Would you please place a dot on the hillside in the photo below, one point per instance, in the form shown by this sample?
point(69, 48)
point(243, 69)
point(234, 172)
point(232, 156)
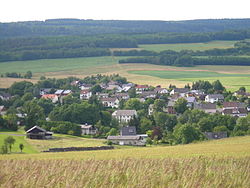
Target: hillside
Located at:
point(55, 27)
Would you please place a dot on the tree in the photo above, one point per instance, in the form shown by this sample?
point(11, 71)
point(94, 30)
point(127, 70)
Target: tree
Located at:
point(217, 86)
point(165, 121)
point(96, 88)
point(27, 96)
point(187, 133)
point(28, 75)
point(46, 104)
point(9, 141)
point(205, 124)
point(132, 93)
point(11, 121)
point(21, 146)
point(145, 125)
point(112, 132)
point(133, 104)
point(33, 112)
point(159, 104)
point(180, 105)
point(242, 89)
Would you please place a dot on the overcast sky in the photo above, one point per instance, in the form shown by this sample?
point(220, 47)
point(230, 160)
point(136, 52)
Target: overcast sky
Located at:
point(24, 10)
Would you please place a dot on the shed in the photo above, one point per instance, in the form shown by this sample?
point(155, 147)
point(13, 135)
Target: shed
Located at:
point(37, 132)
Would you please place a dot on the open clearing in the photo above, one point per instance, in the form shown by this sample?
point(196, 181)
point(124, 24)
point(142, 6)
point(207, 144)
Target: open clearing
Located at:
point(218, 164)
point(189, 46)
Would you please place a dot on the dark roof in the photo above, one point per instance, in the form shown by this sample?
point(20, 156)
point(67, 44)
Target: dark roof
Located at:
point(128, 131)
point(216, 96)
point(205, 106)
point(108, 99)
point(233, 105)
point(124, 137)
point(235, 111)
point(181, 90)
point(5, 95)
point(216, 135)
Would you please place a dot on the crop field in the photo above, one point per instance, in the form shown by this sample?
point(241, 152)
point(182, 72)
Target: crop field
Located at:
point(189, 46)
point(220, 164)
point(231, 81)
point(82, 67)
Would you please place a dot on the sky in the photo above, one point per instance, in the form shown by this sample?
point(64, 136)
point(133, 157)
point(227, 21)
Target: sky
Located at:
point(29, 10)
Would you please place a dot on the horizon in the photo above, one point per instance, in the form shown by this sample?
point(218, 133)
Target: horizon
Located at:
point(85, 19)
point(160, 10)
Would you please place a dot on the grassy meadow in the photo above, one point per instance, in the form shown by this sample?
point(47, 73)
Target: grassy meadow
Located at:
point(219, 164)
point(189, 46)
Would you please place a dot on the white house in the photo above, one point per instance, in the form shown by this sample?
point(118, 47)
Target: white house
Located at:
point(214, 98)
point(160, 90)
point(181, 91)
point(88, 129)
point(124, 115)
point(85, 94)
point(110, 102)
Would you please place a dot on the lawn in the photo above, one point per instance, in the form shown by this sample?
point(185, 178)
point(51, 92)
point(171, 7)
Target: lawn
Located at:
point(189, 46)
point(28, 148)
point(59, 140)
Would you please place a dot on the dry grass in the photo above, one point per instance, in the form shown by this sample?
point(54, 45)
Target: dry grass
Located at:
point(195, 172)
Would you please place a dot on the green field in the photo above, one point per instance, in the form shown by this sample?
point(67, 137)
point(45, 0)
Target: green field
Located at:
point(59, 140)
point(218, 164)
point(189, 46)
point(231, 81)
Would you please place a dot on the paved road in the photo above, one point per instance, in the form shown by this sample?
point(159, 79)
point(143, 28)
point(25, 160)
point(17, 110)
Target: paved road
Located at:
point(13, 134)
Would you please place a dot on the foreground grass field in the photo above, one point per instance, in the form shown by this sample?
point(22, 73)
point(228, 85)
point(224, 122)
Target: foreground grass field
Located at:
point(218, 164)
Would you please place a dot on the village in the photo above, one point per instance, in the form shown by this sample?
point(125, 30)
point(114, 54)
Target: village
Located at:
point(143, 114)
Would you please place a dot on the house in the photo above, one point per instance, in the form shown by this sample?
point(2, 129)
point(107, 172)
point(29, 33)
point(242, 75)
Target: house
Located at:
point(127, 140)
point(85, 86)
point(206, 107)
point(102, 95)
point(75, 83)
point(85, 94)
point(233, 105)
point(148, 94)
point(128, 136)
point(2, 110)
point(241, 93)
point(160, 90)
point(190, 101)
point(5, 96)
point(44, 91)
point(140, 88)
point(126, 87)
point(88, 129)
point(128, 131)
point(53, 97)
point(59, 92)
point(236, 112)
point(37, 132)
point(181, 91)
point(216, 135)
point(110, 102)
point(124, 115)
point(124, 96)
point(170, 107)
point(66, 92)
point(214, 98)
point(114, 87)
point(151, 109)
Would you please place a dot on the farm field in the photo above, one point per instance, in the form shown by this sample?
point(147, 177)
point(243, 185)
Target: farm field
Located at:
point(82, 67)
point(219, 164)
point(189, 46)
